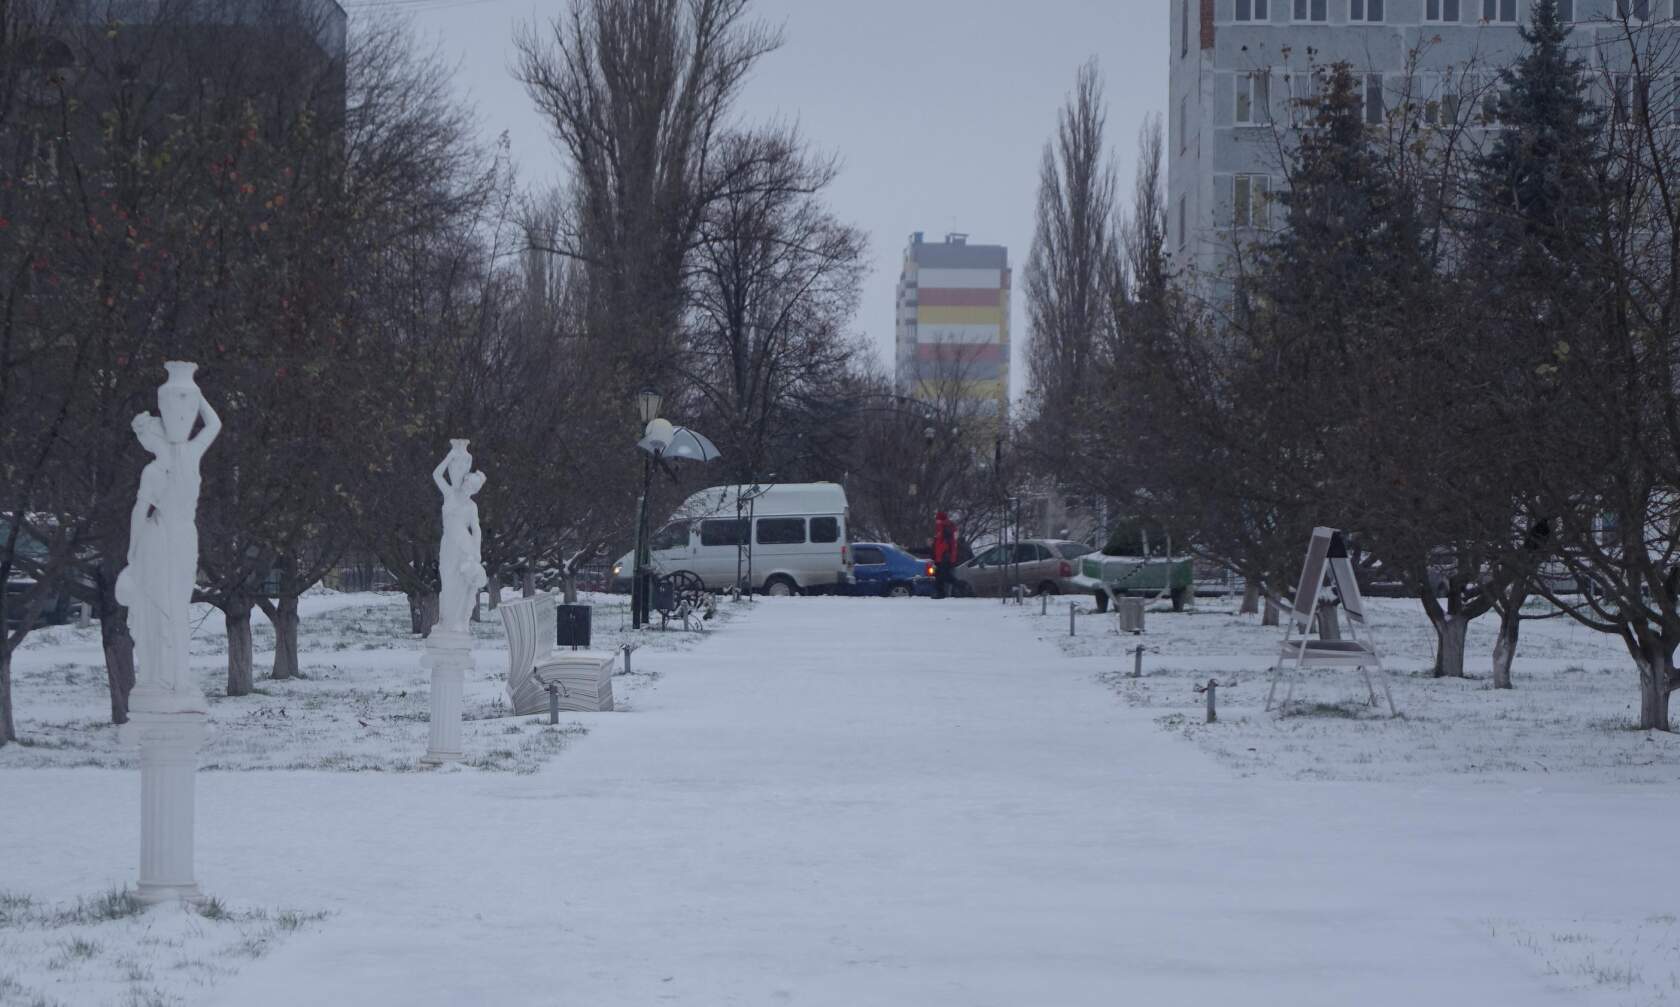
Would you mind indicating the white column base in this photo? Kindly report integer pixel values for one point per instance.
(169, 744)
(449, 655)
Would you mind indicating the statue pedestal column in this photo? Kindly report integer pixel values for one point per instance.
(169, 744)
(448, 655)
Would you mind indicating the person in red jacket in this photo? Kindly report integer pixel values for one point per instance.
(944, 553)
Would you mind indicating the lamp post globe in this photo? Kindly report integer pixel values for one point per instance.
(648, 402)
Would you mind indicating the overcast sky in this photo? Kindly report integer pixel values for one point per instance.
(938, 109)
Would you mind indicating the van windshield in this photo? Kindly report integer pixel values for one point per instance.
(672, 536)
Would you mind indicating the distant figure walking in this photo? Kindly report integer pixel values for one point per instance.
(944, 554)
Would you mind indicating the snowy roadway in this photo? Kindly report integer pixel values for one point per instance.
(858, 802)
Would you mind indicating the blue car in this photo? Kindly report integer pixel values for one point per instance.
(885, 570)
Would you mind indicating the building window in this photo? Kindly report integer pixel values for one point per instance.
(1254, 99)
(1302, 90)
(1183, 124)
(1634, 10)
(1566, 10)
(1630, 99)
(1373, 99)
(1312, 10)
(1369, 11)
(1441, 104)
(1251, 201)
(1441, 10)
(1253, 10)
(1499, 11)
(43, 158)
(1184, 29)
(1183, 216)
(1492, 95)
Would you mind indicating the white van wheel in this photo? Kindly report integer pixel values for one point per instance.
(780, 587)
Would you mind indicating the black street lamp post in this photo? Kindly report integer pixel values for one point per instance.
(647, 405)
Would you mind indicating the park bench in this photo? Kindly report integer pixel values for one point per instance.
(1327, 557)
(581, 679)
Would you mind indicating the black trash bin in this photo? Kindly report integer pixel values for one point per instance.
(571, 625)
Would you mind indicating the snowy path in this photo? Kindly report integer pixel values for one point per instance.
(877, 802)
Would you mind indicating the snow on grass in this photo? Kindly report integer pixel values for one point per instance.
(1572, 711)
(362, 704)
(1568, 723)
(110, 948)
(1605, 961)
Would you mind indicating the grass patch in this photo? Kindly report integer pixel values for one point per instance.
(291, 921)
(1338, 711)
(15, 907)
(115, 904)
(213, 909)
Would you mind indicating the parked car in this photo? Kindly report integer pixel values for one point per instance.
(882, 569)
(1041, 566)
(798, 540)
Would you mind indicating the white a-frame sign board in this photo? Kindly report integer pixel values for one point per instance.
(1327, 557)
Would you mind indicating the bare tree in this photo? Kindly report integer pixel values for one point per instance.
(774, 283)
(1070, 270)
(638, 94)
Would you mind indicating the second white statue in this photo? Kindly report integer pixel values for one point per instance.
(461, 558)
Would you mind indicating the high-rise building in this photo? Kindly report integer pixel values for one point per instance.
(953, 323)
(1242, 73)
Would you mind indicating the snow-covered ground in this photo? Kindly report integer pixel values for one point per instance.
(361, 705)
(856, 801)
(1571, 713)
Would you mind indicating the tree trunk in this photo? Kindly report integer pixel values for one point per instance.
(285, 638)
(528, 583)
(1251, 599)
(569, 581)
(119, 655)
(1656, 671)
(423, 612)
(1329, 626)
(494, 587)
(8, 724)
(1271, 616)
(238, 616)
(1449, 646)
(1505, 647)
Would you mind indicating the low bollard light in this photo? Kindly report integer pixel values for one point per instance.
(1211, 690)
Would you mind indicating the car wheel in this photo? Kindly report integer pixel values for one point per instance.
(1102, 601)
(780, 587)
(899, 591)
(1180, 597)
(1049, 587)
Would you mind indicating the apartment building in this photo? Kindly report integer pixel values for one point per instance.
(953, 323)
(1240, 71)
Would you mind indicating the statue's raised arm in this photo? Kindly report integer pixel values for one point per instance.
(437, 474)
(212, 426)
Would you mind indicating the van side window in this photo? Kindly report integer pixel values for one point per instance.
(825, 529)
(781, 531)
(725, 531)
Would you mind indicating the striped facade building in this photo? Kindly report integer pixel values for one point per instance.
(953, 323)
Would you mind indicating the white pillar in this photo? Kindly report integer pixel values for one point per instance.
(169, 744)
(449, 655)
